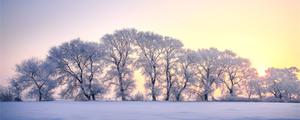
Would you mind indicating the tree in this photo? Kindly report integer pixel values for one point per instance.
(186, 73)
(255, 87)
(209, 69)
(150, 47)
(171, 48)
(38, 76)
(6, 94)
(119, 50)
(237, 70)
(17, 86)
(78, 63)
(283, 83)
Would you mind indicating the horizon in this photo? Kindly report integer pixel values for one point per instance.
(265, 32)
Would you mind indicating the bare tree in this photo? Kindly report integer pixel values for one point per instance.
(119, 48)
(77, 64)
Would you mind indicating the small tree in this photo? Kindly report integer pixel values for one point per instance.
(255, 87)
(17, 86)
(6, 94)
(38, 76)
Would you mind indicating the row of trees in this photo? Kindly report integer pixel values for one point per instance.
(88, 70)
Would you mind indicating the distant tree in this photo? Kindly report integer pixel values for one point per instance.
(138, 97)
(150, 54)
(283, 83)
(38, 76)
(237, 71)
(78, 64)
(186, 73)
(119, 49)
(17, 86)
(6, 94)
(255, 87)
(171, 49)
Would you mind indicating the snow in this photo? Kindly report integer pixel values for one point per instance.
(67, 110)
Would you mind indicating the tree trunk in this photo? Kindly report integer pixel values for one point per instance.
(153, 90)
(206, 97)
(280, 96)
(121, 85)
(122, 94)
(83, 91)
(168, 94)
(93, 97)
(231, 92)
(40, 94)
(168, 80)
(178, 97)
(180, 91)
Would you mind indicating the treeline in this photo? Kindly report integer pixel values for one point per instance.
(85, 71)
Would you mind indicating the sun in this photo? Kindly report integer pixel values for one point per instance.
(261, 71)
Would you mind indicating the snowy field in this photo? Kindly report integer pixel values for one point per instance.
(62, 110)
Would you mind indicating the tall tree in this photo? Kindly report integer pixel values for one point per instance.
(120, 50)
(209, 69)
(171, 49)
(77, 64)
(150, 47)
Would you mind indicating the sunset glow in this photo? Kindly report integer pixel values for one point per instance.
(261, 71)
(265, 31)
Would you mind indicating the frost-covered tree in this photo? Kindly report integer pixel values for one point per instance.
(283, 83)
(6, 94)
(255, 87)
(138, 97)
(38, 76)
(237, 71)
(171, 49)
(17, 86)
(78, 64)
(186, 73)
(150, 54)
(209, 69)
(120, 50)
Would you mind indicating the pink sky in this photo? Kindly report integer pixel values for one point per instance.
(265, 31)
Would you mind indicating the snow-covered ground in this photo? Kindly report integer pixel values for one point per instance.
(62, 110)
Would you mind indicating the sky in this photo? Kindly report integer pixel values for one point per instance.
(265, 31)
